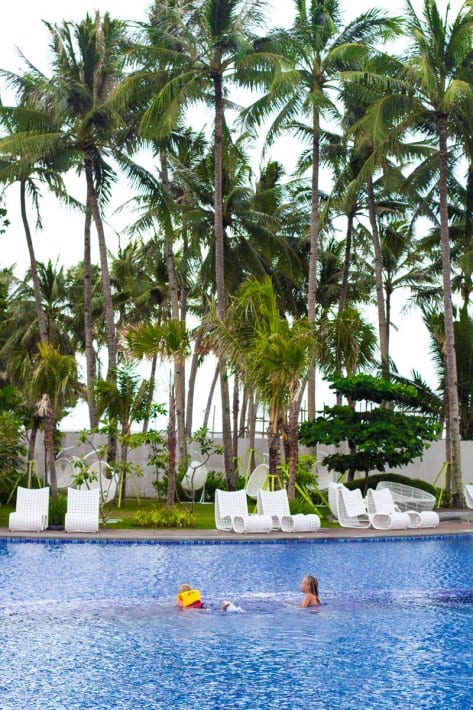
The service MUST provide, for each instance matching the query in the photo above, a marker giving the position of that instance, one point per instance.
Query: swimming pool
(87, 626)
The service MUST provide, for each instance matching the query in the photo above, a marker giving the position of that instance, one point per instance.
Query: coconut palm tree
(195, 54)
(435, 85)
(317, 47)
(271, 356)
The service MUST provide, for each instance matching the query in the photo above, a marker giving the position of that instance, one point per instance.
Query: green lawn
(203, 514)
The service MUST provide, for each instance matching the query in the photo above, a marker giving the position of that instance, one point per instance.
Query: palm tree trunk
(152, 381)
(235, 411)
(314, 246)
(104, 270)
(274, 446)
(88, 324)
(346, 266)
(293, 442)
(49, 439)
(171, 450)
(252, 411)
(382, 325)
(220, 278)
(178, 360)
(213, 384)
(32, 440)
(243, 412)
(40, 315)
(450, 356)
(191, 384)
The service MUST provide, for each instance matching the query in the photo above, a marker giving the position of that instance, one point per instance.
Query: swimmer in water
(188, 598)
(310, 588)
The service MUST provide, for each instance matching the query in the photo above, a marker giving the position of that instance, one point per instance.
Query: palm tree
(434, 87)
(318, 47)
(163, 339)
(194, 54)
(271, 356)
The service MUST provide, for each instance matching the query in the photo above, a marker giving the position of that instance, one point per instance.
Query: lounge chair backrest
(408, 497)
(257, 480)
(380, 501)
(352, 501)
(83, 502)
(332, 497)
(32, 500)
(230, 503)
(273, 502)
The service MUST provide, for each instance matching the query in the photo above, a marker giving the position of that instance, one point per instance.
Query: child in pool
(310, 588)
(188, 598)
(229, 606)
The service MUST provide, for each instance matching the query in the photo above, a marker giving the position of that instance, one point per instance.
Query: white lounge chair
(407, 497)
(333, 497)
(82, 510)
(257, 480)
(231, 513)
(468, 491)
(351, 509)
(384, 515)
(381, 503)
(276, 504)
(32, 509)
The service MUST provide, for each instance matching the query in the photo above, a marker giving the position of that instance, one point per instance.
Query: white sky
(62, 237)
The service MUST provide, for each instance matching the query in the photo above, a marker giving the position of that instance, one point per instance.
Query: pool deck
(452, 522)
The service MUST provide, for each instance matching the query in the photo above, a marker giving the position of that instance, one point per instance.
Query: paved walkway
(451, 523)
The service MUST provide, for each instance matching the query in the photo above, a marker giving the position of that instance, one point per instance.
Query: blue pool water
(92, 626)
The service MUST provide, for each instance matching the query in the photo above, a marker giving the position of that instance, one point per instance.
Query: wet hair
(313, 586)
(184, 588)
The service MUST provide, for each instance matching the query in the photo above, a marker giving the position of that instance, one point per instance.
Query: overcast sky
(22, 28)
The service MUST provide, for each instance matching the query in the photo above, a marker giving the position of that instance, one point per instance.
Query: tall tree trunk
(32, 440)
(88, 324)
(220, 277)
(178, 359)
(191, 384)
(171, 448)
(346, 266)
(244, 407)
(252, 412)
(40, 315)
(274, 446)
(450, 355)
(293, 441)
(152, 381)
(235, 412)
(104, 270)
(314, 246)
(382, 324)
(210, 398)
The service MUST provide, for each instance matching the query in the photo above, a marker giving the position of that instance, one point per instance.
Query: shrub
(162, 517)
(57, 510)
(301, 505)
(12, 452)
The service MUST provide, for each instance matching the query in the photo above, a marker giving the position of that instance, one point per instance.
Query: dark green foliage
(57, 510)
(377, 436)
(12, 452)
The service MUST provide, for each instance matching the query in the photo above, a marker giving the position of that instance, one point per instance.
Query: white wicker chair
(257, 480)
(384, 514)
(82, 510)
(32, 509)
(351, 509)
(276, 504)
(231, 513)
(381, 502)
(468, 491)
(195, 478)
(333, 497)
(408, 497)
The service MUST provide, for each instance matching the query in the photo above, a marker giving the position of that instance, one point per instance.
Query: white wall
(425, 468)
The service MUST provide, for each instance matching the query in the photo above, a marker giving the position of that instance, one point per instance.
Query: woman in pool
(310, 588)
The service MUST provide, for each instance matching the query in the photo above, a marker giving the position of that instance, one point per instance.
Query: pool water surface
(92, 626)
